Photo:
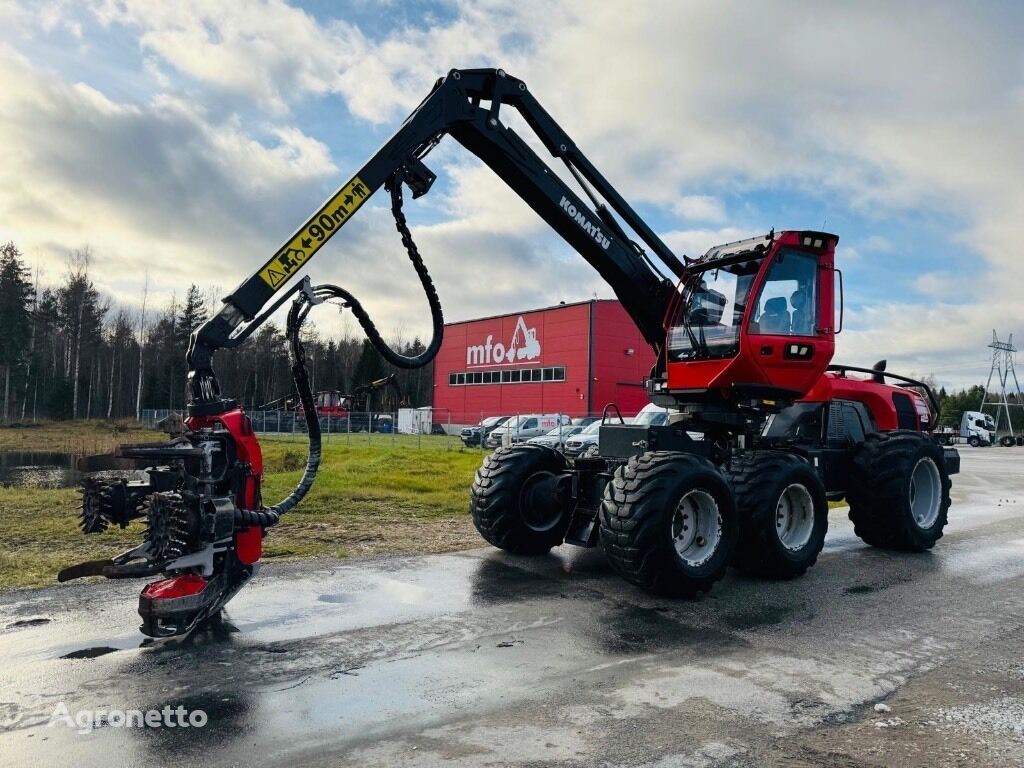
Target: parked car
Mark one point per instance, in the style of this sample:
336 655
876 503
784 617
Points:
523 427
585 443
557 436
472 436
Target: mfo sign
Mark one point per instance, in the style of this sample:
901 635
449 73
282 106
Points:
522 346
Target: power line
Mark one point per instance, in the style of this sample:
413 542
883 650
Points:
1002 369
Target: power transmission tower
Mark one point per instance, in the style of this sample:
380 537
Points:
1002 369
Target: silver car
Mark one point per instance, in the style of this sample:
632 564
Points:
584 444
556 437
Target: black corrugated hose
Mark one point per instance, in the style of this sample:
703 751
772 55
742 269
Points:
269 516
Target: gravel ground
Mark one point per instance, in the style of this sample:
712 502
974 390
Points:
481 659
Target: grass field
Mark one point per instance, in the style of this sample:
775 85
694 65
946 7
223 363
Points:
374 494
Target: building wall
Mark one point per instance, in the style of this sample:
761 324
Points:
563 337
618 376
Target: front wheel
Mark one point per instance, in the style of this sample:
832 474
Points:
974 441
784 514
516 501
668 523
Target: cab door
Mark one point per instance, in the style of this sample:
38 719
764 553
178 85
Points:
789 332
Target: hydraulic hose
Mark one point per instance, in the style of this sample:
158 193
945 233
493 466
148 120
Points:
269 516
394 186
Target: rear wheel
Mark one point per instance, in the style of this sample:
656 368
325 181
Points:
668 523
515 501
783 514
1008 441
899 493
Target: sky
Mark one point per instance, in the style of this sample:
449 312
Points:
183 143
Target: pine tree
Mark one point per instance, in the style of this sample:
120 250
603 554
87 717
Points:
192 315
15 317
370 367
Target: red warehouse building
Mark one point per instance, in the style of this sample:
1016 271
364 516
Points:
571 358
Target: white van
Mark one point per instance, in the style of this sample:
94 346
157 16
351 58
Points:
521 428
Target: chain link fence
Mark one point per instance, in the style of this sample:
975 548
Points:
412 427
423 428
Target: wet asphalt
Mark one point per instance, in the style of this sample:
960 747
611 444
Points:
480 658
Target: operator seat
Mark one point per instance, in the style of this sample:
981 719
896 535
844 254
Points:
776 316
801 317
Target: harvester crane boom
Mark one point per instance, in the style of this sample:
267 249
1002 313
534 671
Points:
757 431
466 105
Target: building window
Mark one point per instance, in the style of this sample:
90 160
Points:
507 376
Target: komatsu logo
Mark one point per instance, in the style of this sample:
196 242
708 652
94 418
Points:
522 346
592 230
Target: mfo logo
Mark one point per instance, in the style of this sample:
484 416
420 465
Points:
522 346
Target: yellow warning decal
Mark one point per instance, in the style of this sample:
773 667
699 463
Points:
318 230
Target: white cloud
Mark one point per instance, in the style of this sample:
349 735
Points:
700 208
885 111
157 186
940 285
696 242
878 244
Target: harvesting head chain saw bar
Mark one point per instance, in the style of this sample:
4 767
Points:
202 504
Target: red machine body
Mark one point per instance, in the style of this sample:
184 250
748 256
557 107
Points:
746 353
248 541
880 399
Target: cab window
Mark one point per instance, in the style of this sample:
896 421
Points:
787 304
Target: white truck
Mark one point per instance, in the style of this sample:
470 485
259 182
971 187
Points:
976 428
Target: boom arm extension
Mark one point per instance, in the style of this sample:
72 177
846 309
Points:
465 104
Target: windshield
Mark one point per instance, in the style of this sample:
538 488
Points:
652 417
490 421
592 429
563 431
710 313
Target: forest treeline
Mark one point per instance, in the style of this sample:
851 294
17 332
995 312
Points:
69 352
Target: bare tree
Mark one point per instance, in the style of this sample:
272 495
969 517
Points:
142 347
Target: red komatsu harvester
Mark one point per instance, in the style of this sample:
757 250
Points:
763 429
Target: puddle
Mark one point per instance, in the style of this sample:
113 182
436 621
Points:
90 653
48 469
21 469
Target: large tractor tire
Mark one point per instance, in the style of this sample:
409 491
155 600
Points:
899 492
783 514
668 523
514 499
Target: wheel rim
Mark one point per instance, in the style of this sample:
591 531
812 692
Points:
696 527
794 517
538 502
925 493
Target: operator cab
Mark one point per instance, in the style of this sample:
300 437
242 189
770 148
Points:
753 319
